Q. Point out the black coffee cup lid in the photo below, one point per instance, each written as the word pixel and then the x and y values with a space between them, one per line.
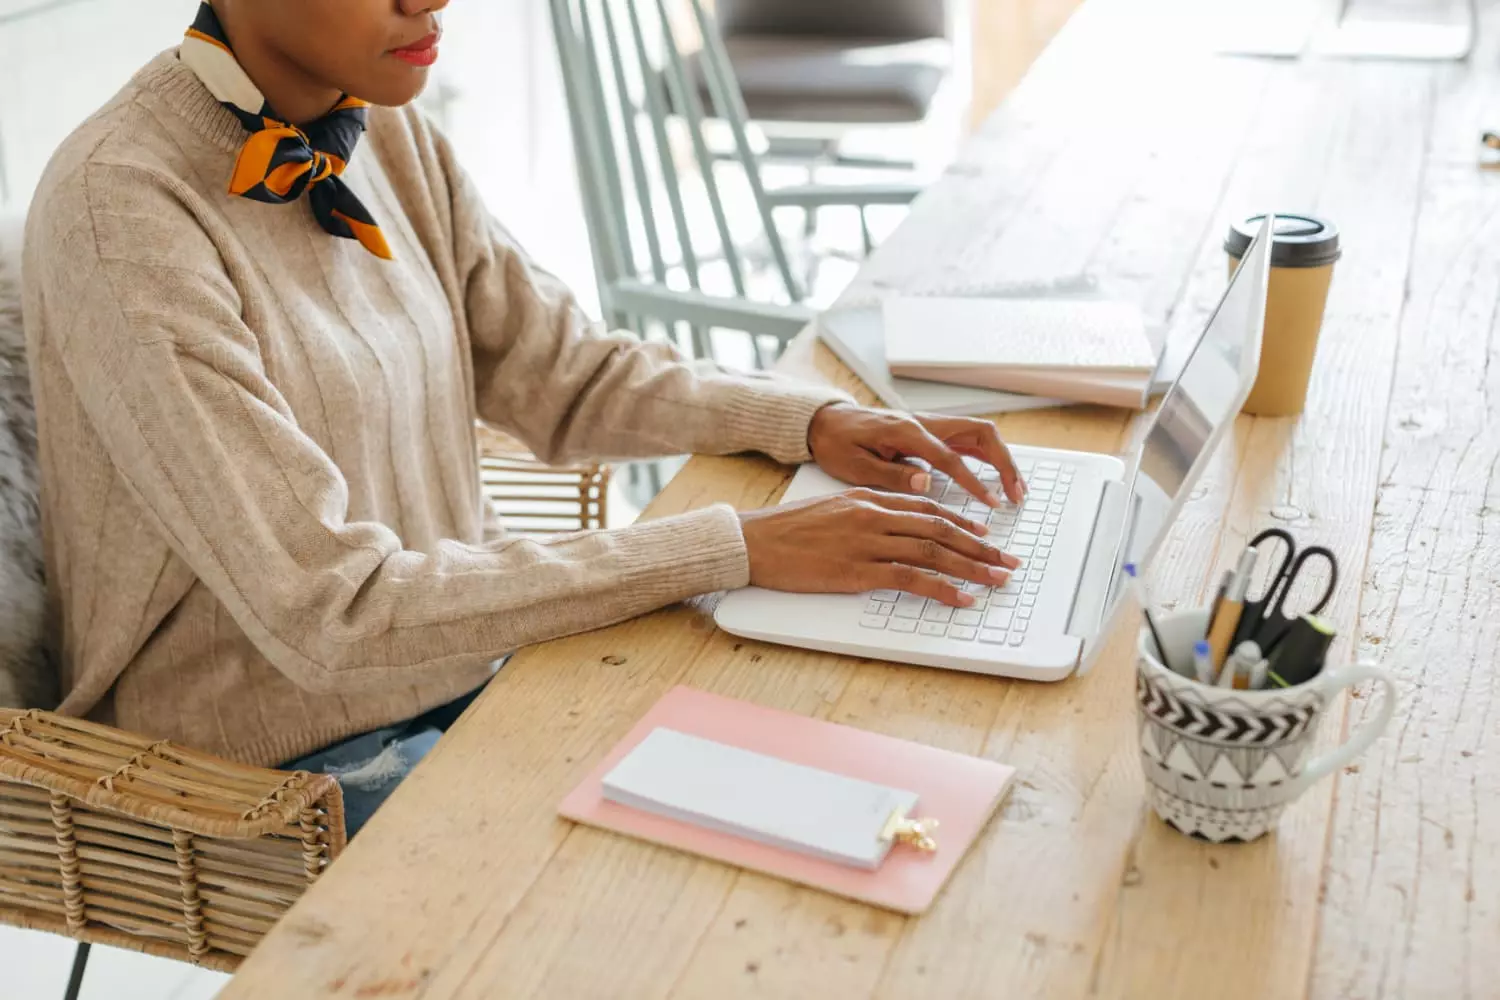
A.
pixel 1301 240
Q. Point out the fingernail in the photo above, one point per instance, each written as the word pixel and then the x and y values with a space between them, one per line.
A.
pixel 979 528
pixel 921 482
pixel 992 500
pixel 1011 561
pixel 999 575
pixel 966 600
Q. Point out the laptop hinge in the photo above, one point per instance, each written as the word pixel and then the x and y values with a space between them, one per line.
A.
pixel 1101 566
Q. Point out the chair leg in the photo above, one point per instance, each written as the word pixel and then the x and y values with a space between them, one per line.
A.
pixel 80 963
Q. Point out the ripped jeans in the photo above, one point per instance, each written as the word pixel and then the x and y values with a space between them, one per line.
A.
pixel 370 766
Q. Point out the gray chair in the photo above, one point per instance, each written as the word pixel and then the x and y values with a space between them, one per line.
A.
pixel 863 62
pixel 669 245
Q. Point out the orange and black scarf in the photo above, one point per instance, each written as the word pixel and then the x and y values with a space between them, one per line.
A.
pixel 280 162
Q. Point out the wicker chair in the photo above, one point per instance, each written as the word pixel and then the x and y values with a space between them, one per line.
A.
pixel 539 499
pixel 111 838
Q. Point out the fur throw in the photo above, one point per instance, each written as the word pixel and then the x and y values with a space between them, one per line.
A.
pixel 27 675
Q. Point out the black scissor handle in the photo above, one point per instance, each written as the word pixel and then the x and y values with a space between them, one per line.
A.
pixel 1275 577
pixel 1298 564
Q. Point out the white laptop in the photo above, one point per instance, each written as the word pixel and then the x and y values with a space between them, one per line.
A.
pixel 1085 516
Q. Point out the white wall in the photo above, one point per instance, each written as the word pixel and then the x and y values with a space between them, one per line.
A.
pixel 61 61
pixel 510 125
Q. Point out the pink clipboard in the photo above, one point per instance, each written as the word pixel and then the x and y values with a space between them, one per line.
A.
pixel 960 792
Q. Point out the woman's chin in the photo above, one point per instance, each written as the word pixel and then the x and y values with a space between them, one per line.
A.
pixel 396 85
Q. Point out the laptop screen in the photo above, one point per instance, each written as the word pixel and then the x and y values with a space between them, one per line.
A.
pixel 1198 409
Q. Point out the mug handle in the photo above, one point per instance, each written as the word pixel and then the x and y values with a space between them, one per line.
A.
pixel 1325 764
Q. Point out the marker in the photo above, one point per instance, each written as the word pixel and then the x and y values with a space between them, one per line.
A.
pixel 1203 664
pixel 1302 652
pixel 1259 675
pixel 1236 671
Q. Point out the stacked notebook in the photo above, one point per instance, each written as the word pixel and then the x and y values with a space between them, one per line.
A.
pixel 1070 350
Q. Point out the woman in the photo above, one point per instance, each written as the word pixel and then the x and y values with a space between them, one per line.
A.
pixel 262 318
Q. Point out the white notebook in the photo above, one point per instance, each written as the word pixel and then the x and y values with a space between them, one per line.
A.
pixel 856 335
pixel 1083 350
pixel 729 790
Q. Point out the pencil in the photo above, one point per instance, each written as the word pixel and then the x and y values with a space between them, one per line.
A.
pixel 1227 621
pixel 1138 589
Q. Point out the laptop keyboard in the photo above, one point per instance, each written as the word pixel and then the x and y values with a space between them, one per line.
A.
pixel 1000 616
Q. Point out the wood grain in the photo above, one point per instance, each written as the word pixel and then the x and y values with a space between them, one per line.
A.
pixel 1316 478
pixel 1413 877
pixel 466 885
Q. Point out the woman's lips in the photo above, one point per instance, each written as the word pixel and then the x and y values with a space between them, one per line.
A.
pixel 420 54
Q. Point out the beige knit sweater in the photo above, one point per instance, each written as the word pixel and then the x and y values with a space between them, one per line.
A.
pixel 263 520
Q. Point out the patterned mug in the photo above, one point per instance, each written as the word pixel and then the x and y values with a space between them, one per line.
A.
pixel 1222 764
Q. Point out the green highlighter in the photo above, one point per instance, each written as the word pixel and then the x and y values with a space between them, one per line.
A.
pixel 1302 652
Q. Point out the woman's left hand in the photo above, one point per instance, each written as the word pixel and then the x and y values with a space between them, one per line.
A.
pixel 866 447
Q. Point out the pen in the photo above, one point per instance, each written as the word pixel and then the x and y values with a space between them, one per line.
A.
pixel 1143 598
pixel 1203 664
pixel 1228 618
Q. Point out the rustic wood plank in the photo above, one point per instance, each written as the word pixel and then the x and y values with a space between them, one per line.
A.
pixel 1412 874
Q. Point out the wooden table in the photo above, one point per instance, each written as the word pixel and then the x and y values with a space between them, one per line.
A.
pixel 1123 156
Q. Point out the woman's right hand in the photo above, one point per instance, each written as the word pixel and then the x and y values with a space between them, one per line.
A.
pixel 865 540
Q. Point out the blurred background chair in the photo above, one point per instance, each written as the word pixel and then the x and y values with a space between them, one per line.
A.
pixel 676 228
pixel 813 72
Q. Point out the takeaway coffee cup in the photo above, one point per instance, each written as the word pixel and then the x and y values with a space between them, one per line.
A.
pixel 1302 261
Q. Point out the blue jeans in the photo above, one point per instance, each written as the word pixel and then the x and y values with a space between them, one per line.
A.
pixel 370 766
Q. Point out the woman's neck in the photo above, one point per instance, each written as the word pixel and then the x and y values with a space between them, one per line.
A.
pixel 293 94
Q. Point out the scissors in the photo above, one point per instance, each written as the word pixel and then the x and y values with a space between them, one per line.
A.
pixel 1264 619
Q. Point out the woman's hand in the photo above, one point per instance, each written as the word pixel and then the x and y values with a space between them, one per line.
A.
pixel 868 447
pixel 863 540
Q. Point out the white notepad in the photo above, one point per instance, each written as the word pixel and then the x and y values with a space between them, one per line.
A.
pixel 856 336
pixel 729 790
pixel 1081 350
pixel 1100 337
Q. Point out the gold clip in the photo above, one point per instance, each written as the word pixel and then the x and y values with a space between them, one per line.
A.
pixel 901 829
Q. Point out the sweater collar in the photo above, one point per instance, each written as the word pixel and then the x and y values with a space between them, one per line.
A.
pixel 181 90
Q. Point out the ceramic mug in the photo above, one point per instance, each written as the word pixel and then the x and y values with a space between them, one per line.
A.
pixel 1222 764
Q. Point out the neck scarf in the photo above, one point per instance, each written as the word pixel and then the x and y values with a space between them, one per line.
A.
pixel 279 162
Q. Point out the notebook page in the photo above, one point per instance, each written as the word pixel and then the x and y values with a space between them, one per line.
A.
pixel 1100 336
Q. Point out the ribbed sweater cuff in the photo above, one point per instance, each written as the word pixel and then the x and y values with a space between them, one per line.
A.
pixel 773 416
pixel 686 555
